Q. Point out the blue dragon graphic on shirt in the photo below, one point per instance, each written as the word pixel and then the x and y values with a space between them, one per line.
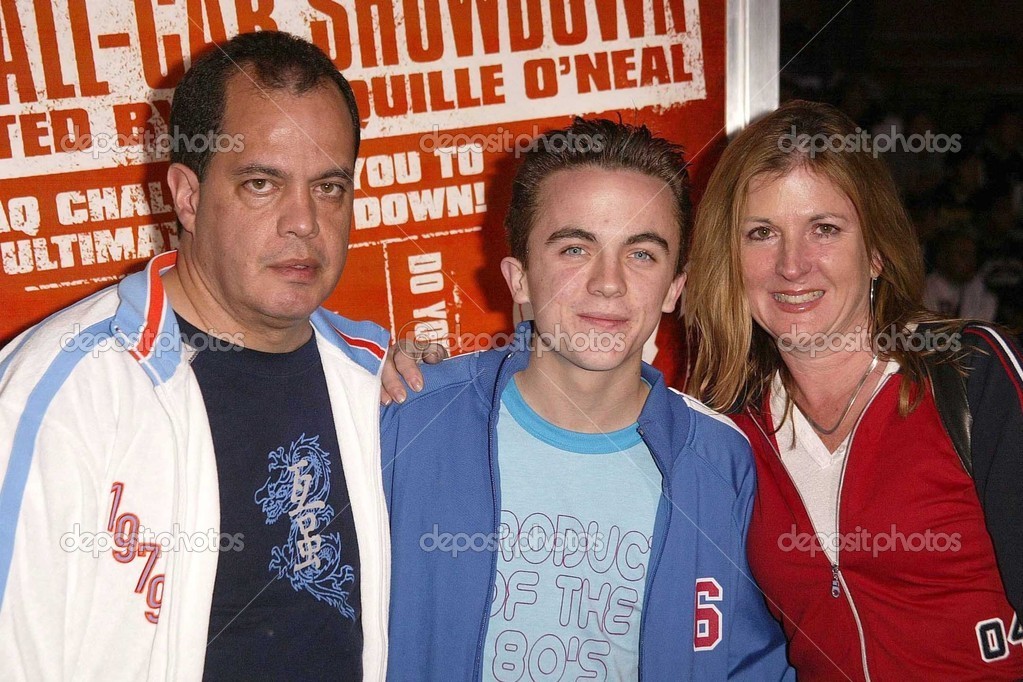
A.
pixel 298 487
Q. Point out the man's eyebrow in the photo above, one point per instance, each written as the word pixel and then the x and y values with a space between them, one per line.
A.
pixel 258 169
pixel 648 237
pixel 336 172
pixel 571 233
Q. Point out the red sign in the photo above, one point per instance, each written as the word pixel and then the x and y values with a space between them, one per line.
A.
pixel 451 92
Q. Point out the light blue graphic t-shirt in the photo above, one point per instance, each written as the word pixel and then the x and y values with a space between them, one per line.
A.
pixel 577 520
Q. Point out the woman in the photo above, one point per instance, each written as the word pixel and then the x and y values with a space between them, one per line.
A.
pixel 873 545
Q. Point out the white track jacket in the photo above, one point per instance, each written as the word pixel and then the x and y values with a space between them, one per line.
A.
pixel 109 509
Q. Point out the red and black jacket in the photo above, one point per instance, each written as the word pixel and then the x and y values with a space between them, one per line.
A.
pixel 930 562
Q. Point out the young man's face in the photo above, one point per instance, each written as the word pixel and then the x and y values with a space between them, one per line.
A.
pixel 269 223
pixel 601 266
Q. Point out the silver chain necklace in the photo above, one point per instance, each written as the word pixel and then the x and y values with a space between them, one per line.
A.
pixel 827 432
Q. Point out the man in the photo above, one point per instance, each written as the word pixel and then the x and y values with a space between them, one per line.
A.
pixel 556 511
pixel 204 404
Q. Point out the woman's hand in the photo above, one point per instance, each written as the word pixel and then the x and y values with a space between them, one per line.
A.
pixel 401 367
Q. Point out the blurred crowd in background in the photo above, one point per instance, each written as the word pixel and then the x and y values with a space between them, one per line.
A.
pixel 948 87
pixel 965 203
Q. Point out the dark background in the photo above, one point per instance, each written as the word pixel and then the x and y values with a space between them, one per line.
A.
pixel 953 58
pixel 951 68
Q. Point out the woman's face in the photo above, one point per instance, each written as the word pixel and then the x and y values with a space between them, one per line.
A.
pixel 804 264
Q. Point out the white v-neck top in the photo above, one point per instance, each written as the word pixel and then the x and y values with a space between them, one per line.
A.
pixel 815 471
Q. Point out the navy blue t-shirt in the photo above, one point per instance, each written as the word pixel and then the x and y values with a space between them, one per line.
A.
pixel 286 601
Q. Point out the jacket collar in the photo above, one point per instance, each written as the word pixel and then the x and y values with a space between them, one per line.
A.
pixel 664 421
pixel 365 343
pixel 498 368
pixel 145 325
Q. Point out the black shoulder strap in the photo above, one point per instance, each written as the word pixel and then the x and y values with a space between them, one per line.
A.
pixel 948 386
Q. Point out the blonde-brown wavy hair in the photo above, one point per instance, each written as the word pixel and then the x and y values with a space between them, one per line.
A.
pixel 736 359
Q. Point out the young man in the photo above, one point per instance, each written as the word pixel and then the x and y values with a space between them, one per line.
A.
pixel 208 403
pixel 556 511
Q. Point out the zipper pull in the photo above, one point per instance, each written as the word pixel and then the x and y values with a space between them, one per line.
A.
pixel 835 585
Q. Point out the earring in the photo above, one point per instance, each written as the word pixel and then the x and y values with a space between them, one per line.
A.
pixel 870 318
pixel 874 280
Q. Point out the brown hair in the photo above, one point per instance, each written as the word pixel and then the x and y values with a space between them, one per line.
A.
pixel 273 59
pixel 736 358
pixel 600 143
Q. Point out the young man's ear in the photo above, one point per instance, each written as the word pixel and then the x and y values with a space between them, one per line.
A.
pixel 184 187
pixel 674 291
pixel 515 275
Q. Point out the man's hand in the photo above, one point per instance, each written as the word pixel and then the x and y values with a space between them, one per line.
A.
pixel 401 367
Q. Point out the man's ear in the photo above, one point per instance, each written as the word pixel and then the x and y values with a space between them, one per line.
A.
pixel 674 291
pixel 876 265
pixel 515 275
pixel 184 187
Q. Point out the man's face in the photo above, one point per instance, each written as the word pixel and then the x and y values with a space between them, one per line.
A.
pixel 601 266
pixel 269 233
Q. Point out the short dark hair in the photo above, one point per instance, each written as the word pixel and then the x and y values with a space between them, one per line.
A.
pixel 599 143
pixel 273 59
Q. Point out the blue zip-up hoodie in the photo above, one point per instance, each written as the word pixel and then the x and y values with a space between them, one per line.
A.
pixel 441 480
